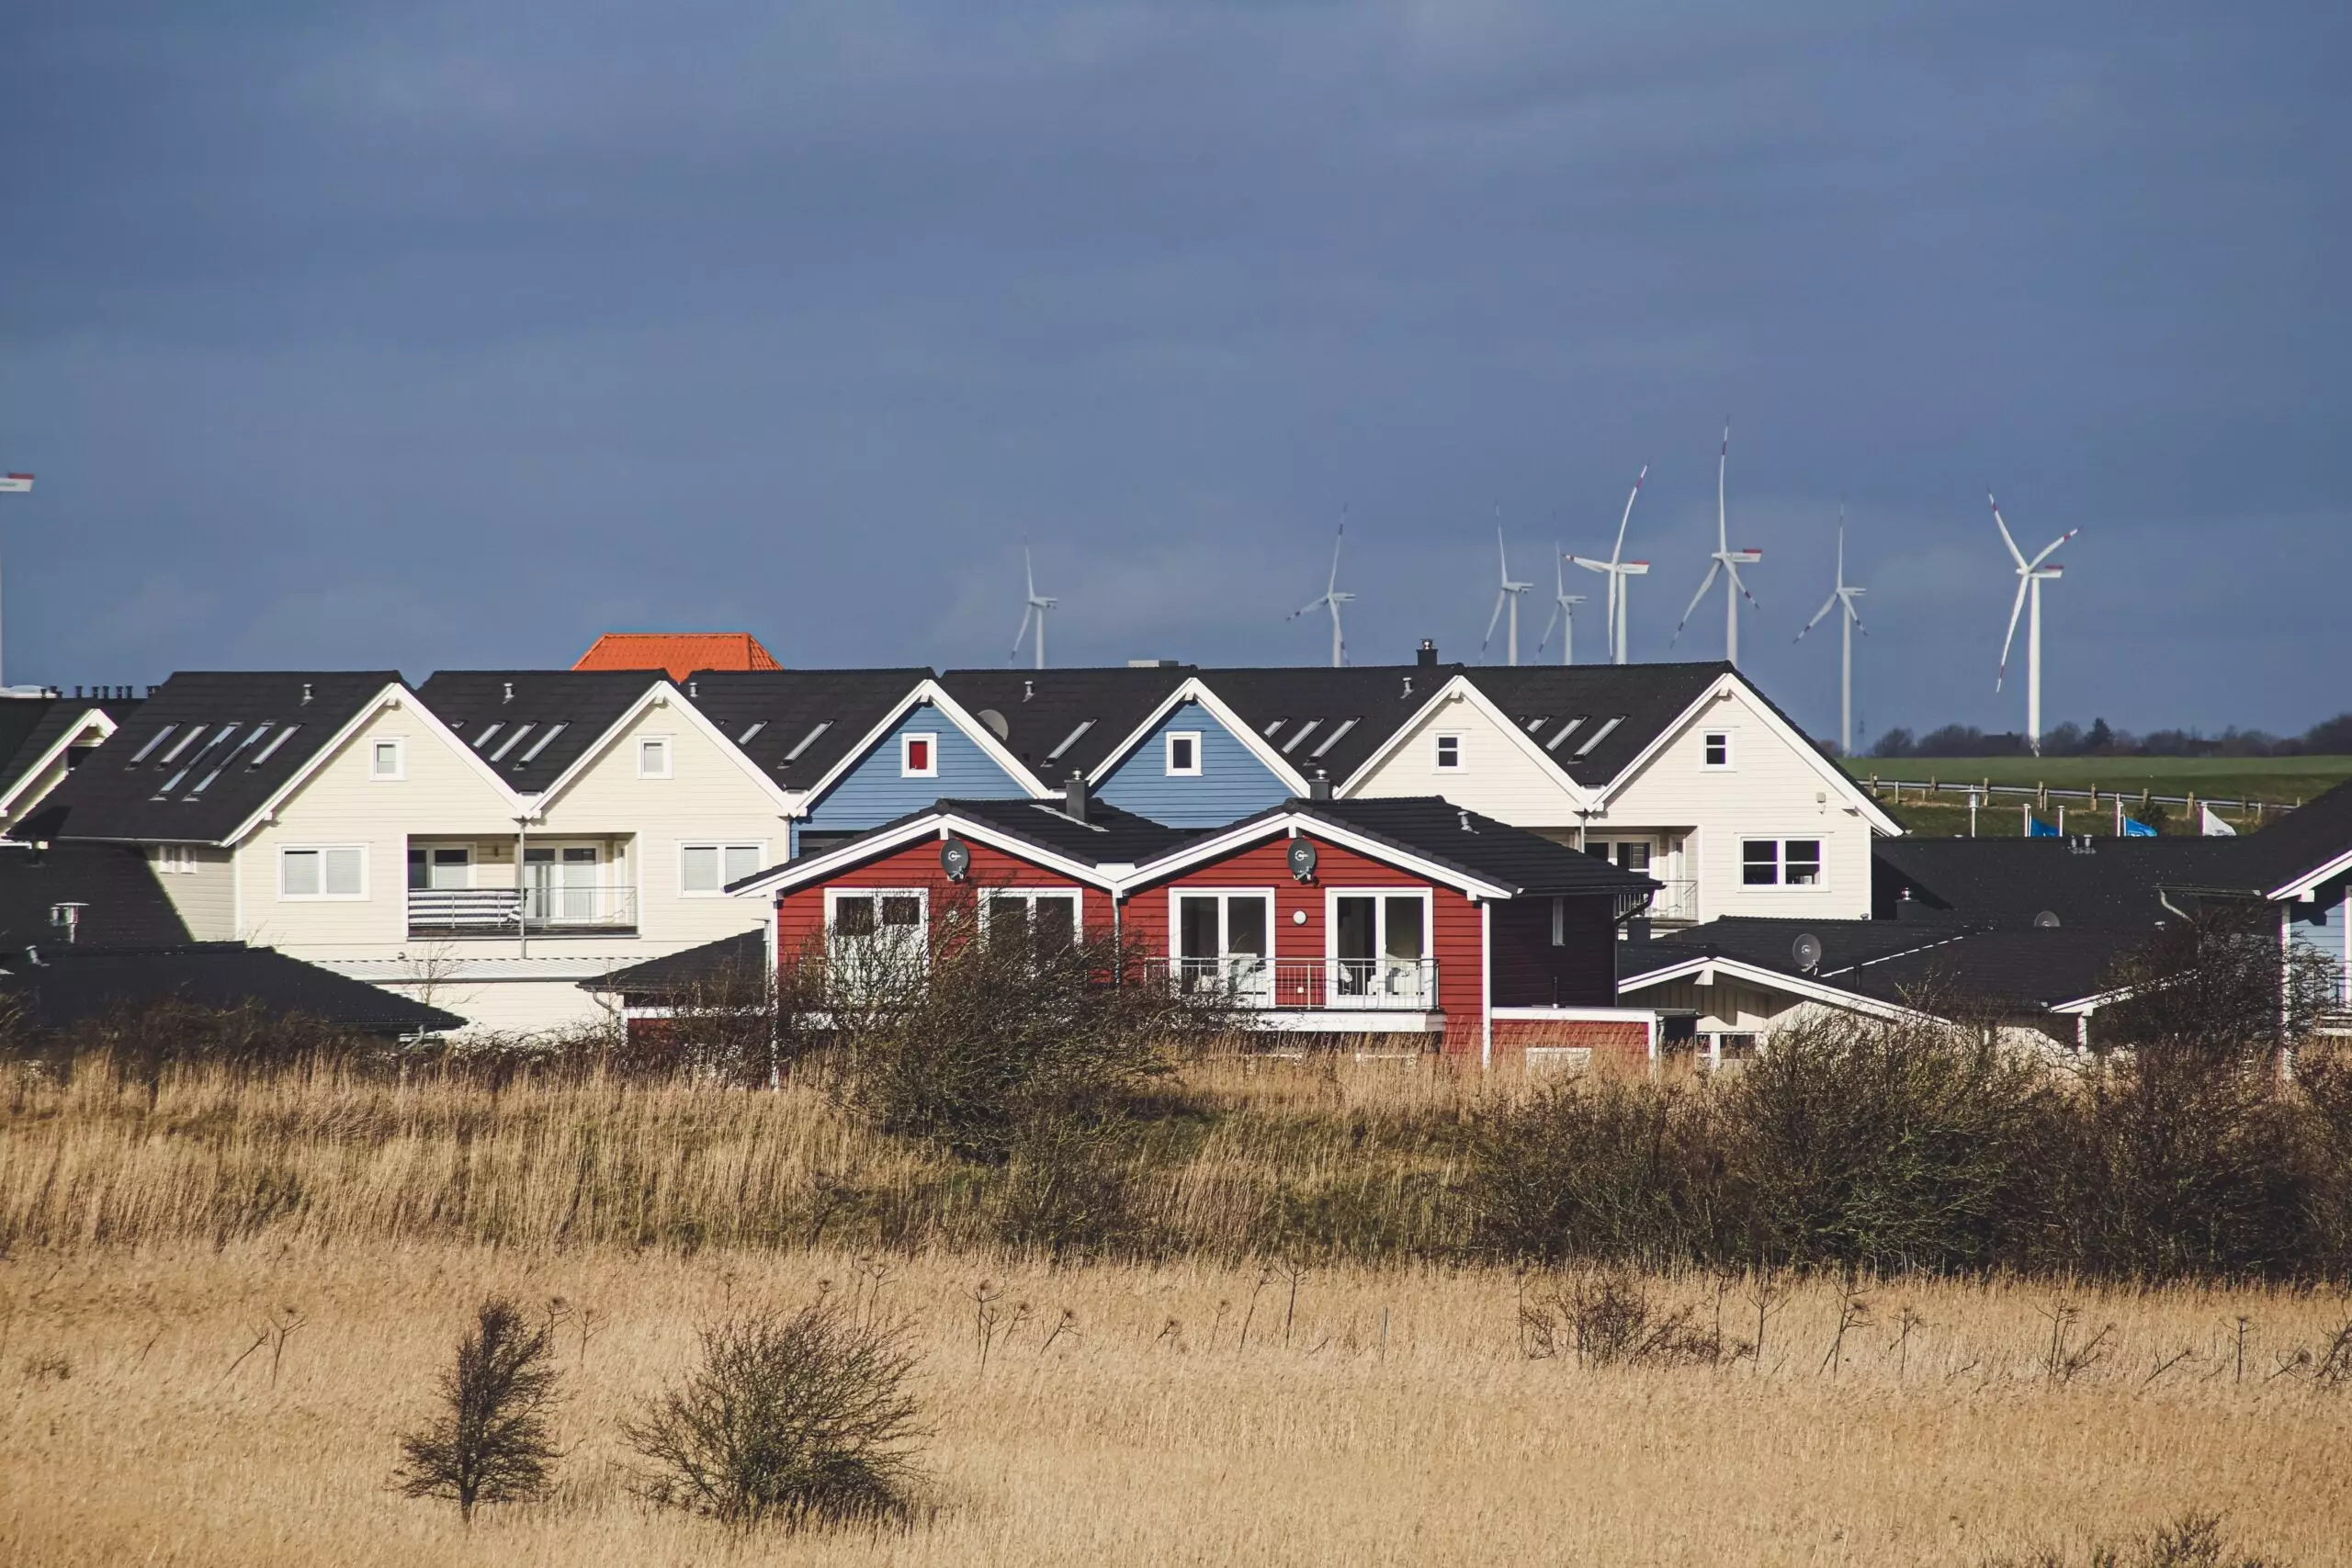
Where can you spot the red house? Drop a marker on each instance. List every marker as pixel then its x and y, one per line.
pixel 1410 918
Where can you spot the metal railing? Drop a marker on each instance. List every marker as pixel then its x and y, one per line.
pixel 1407 984
pixel 511 911
pixel 2041 795
pixel 1677 900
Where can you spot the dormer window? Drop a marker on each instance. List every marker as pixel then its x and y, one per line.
pixel 1184 754
pixel 1449 753
pixel 918 756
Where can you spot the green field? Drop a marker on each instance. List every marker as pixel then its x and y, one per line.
pixel 2281 780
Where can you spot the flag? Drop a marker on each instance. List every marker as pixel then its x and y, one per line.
pixel 2133 828
pixel 2035 828
pixel 15 484
pixel 2213 827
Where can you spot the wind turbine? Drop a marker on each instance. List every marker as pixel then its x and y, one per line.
pixel 1850 621
pixel 1332 598
pixel 1617 570
pixel 1509 595
pixel 1563 609
pixel 1726 560
pixel 2031 574
pixel 15 484
pixel 1032 611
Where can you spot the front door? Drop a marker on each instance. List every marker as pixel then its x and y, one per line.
pixel 559 883
pixel 1379 947
pixel 1225 939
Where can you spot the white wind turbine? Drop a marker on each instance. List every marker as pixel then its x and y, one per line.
pixel 1850 621
pixel 1331 598
pixel 2032 575
pixel 1509 595
pixel 15 484
pixel 1726 560
pixel 1563 609
pixel 1032 612
pixel 1616 569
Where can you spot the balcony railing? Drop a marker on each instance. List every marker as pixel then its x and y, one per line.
pixel 1363 984
pixel 1677 902
pixel 458 912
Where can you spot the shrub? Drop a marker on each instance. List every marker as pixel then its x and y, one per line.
pixel 1612 1319
pixel 491 1442
pixel 2192 1540
pixel 1603 1170
pixel 795 1419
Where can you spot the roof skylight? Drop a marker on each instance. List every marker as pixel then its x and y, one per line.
pixel 546 736
pixel 280 739
pixel 1269 730
pixel 182 744
pixel 1334 738
pixel 1598 736
pixel 1069 740
pixel 742 740
pixel 152 741
pixel 1304 732
pixel 807 740
pixel 1563 733
pixel 513 739
pixel 483 738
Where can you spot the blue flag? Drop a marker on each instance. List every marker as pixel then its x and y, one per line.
pixel 2133 829
pixel 2035 828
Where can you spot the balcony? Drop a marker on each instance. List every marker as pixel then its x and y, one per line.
pixel 462 913
pixel 1676 903
pixel 1390 985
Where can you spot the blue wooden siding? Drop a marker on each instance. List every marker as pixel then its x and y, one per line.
pixel 1232 783
pixel 872 791
pixel 2320 926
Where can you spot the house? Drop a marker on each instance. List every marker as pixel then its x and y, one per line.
pixel 857 748
pixel 676 654
pixel 101 895
pixel 1685 773
pixel 1411 918
pixel 44 737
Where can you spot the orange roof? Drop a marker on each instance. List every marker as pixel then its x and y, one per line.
pixel 680 653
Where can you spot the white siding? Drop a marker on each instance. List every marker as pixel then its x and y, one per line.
pixel 1497 777
pixel 205 897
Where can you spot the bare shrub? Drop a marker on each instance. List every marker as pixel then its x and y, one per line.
pixel 2192 1540
pixel 1612 1318
pixel 491 1442
pixel 797 1419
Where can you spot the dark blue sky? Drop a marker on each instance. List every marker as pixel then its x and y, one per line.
pixel 450 335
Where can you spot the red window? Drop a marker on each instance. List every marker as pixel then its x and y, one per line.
pixel 918 756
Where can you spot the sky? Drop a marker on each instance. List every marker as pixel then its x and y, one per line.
pixel 428 336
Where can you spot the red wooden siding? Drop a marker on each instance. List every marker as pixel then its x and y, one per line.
pixel 800 921
pixel 1619 1046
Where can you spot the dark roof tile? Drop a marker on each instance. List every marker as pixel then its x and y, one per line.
pixel 531 725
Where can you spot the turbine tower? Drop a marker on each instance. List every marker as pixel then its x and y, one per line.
pixel 1509 595
pixel 15 484
pixel 2032 575
pixel 1563 609
pixel 1850 621
pixel 1726 560
pixel 1616 569
pixel 1332 599
pixel 1032 612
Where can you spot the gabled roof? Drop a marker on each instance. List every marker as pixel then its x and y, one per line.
pixel 797 726
pixel 54 727
pixel 1637 704
pixel 730 958
pixel 2308 845
pixel 122 904
pixel 1428 833
pixel 1320 719
pixel 530 726
pixel 203 753
pixel 677 654
pixel 2095 884
pixel 1063 721
pixel 64 984
pixel 1095 850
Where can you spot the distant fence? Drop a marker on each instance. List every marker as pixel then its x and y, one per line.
pixel 2042 795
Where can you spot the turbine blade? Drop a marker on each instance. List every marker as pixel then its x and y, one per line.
pixel 2052 545
pixel 1336 543
pixel 1549 626
pixel 1020 636
pixel 2015 609
pixel 1741 588
pixel 1501 554
pixel 2015 554
pixel 1686 613
pixel 1630 499
pixel 1028 569
pixel 1826 606
pixel 1723 463
pixel 1491 622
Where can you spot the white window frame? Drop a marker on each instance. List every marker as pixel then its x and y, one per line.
pixel 930 738
pixel 1730 764
pixel 834 897
pixel 429 850
pixel 399 745
pixel 1249 987
pixel 669 745
pixel 322 896
pixel 1780 882
pixel 1193 738
pixel 175 860
pixel 1030 896
pixel 1438 762
pixel 1380 894
pixel 759 848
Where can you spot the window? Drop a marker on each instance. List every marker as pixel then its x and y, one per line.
pixel 870 932
pixel 175 860
pixel 1717 747
pixel 1184 754
pixel 918 756
pixel 1225 939
pixel 388 760
pixel 653 757
pixel 334 871
pixel 707 869
pixel 1449 753
pixel 1776 863
pixel 1380 947
pixel 1048 919
pixel 440 868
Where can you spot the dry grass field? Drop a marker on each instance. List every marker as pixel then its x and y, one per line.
pixel 220 1303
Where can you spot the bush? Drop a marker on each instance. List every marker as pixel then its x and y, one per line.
pixel 491 1442
pixel 1607 1169
pixel 795 1419
pixel 2192 1540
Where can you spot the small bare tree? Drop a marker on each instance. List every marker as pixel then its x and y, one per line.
pixel 491 1442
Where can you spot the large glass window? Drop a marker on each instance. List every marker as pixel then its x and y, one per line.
pixel 339 871
pixel 439 867
pixel 1226 938
pixel 1380 946
pixel 1780 862
pixel 713 868
pixel 1760 862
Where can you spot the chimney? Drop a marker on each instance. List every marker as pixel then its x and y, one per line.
pixel 1074 797
pixel 510 691
pixel 306 690
pixel 1319 787
pixel 1426 655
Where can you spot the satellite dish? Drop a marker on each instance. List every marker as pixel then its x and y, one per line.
pixel 2047 920
pixel 1806 951
pixel 955 859
pixel 996 723
pixel 1302 859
